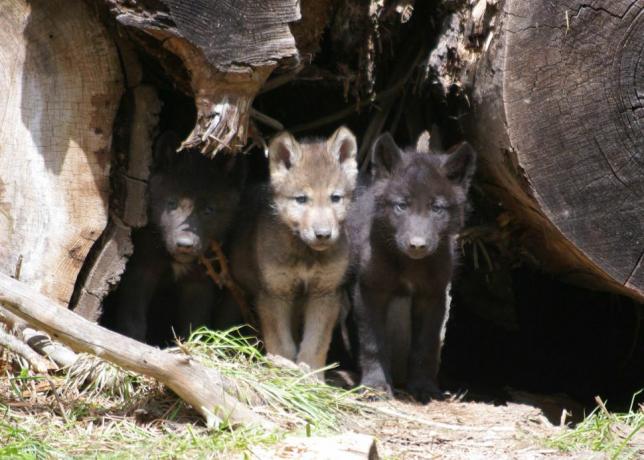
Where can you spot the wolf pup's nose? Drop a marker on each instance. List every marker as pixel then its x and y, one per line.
pixel 323 235
pixel 417 243
pixel 185 242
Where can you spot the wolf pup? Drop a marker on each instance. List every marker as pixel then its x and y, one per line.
pixel 402 233
pixel 292 254
pixel 192 201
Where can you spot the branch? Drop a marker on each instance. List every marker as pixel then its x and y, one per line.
pixel 199 386
pixel 11 343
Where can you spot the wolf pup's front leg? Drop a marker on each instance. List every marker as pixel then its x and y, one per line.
pixel 320 315
pixel 275 320
pixel 427 317
pixel 370 310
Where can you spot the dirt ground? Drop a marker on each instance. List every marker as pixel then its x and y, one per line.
pixel 443 430
pixel 464 430
pixel 452 429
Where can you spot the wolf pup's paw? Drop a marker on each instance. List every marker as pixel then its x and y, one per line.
pixel 376 389
pixel 425 391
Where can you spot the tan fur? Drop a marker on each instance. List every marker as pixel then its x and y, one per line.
pixel 293 276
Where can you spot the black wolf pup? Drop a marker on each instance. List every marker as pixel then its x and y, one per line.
pixel 402 235
pixel 192 201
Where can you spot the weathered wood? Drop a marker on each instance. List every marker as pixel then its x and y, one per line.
pixel 38 340
pixel 60 85
pixel 199 386
pixel 228 48
pixel 558 115
pixel 12 343
pixel 129 200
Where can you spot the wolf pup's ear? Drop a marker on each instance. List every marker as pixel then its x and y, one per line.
pixel 422 144
pixel 385 155
pixel 344 148
pixel 460 164
pixel 165 150
pixel 283 152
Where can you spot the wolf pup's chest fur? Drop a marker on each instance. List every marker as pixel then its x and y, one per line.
pixel 403 232
pixel 292 255
pixel 295 269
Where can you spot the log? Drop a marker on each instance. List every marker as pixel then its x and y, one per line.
pixel 129 200
pixel 228 49
pixel 199 386
pixel 60 86
pixel 558 116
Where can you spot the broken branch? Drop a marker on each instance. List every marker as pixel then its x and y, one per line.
pixel 199 386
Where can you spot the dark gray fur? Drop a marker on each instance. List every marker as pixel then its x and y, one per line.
pixel 402 232
pixel 192 201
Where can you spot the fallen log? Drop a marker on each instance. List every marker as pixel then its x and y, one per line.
pixel 60 88
pixel 199 386
pixel 557 114
pixel 228 50
pixel 346 446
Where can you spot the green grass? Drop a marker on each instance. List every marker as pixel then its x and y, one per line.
pixel 285 393
pixel 603 431
pixel 18 443
pixel 101 411
pixel 40 437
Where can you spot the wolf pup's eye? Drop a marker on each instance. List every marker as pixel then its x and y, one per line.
pixel 401 206
pixel 336 198
pixel 301 199
pixel 438 209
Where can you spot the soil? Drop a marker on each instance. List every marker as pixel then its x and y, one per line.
pixel 459 430
pixel 451 429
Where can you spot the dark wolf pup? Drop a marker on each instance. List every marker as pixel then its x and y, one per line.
pixel 402 234
pixel 192 201
pixel 291 255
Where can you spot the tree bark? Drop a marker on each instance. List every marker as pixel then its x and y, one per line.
pixel 129 203
pixel 558 116
pixel 60 85
pixel 228 48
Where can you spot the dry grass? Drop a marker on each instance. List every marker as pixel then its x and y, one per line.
pixel 96 409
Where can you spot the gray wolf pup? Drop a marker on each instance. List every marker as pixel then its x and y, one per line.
pixel 291 253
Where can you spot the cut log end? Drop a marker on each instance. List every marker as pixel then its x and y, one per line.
pixel 557 116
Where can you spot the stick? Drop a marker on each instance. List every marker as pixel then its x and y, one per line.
pixel 199 386
pixel 38 340
pixel 12 343
pixel 281 80
pixel 224 278
pixel 43 344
